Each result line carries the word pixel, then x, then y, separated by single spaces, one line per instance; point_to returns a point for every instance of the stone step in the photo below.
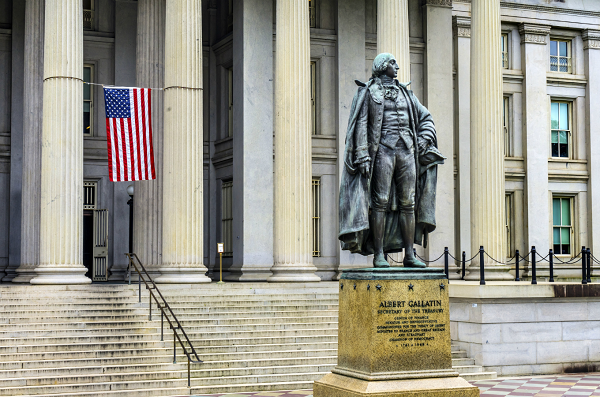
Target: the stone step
pixel 479 375
pixel 459 354
pixel 463 361
pixel 462 369
pixel 161 392
pixel 32 386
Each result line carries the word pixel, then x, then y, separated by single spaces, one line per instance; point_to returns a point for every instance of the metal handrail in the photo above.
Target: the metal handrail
pixel 163 314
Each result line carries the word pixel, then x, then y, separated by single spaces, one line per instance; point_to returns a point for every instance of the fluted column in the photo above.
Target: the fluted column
pixel 293 170
pixel 487 154
pixel 150 72
pixel 392 34
pixel 61 218
pixel 32 135
pixel 182 239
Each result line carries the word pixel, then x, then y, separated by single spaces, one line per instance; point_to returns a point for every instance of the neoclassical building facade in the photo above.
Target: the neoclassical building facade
pixel 249 119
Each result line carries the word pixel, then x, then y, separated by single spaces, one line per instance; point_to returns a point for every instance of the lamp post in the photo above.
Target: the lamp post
pixel 130 204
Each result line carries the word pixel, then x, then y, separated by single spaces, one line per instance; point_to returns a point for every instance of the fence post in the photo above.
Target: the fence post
pixel 139 288
pixel 551 260
pixel 162 315
pixel 174 347
pixel 481 270
pixel 150 306
pixel 533 258
pixel 589 265
pixel 446 263
pixel 464 260
pixel 583 265
pixel 517 266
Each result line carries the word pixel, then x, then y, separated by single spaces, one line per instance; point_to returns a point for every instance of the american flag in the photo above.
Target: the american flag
pixel 129 134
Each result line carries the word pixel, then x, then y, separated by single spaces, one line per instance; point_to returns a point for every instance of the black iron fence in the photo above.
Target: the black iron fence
pixel 533 258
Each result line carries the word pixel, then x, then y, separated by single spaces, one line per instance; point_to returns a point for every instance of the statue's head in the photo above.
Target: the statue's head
pixel 382 62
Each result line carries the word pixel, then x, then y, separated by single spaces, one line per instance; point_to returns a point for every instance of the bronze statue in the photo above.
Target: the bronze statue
pixel 387 192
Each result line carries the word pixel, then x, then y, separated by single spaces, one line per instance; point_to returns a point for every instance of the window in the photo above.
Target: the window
pixel 508 212
pixel 561 128
pixel 562 230
pixel 560 56
pixel 506 125
pixel 227 218
pixel 313 95
pixel 316 217
pixel 89 195
pixel 88 101
pixel 312 13
pixel 88 14
pixel 230 91
pixel 504 46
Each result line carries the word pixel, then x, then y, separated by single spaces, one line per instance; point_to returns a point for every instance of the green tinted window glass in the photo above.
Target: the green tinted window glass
pixel 563 137
pixel 565 235
pixel 86 107
pixel 556 235
pixel 564 116
pixel 87 74
pixel 554 113
pixel 554 136
pixel 566 212
pixel 562 48
pixel 86 91
pixel 556 211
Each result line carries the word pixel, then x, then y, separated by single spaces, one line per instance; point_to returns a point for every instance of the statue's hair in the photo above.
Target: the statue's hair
pixel 380 63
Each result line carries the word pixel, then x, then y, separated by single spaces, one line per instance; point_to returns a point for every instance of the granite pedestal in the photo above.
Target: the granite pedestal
pixel 394 337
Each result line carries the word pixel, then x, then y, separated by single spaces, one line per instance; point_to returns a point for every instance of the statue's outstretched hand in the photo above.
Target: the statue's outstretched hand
pixel 364 168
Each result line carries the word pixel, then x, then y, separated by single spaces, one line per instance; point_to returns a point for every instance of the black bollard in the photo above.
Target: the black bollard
pixel 533 275
pixel 583 265
pixel 464 263
pixel 551 260
pixel 589 265
pixel 517 266
pixel 481 263
pixel 446 263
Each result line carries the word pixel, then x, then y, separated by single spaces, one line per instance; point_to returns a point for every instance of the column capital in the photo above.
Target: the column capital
pixel 461 26
pixel 591 39
pixel 441 3
pixel 533 33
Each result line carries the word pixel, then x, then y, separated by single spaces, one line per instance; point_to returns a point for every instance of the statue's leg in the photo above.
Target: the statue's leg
pixel 381 182
pixel 405 176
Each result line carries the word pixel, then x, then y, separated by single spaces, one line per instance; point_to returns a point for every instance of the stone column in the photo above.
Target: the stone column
pixel 591 45
pixel 293 171
pixel 462 95
pixel 183 238
pixel 148 195
pixel 252 123
pixel 438 97
pixel 351 66
pixel 32 140
pixel 536 133
pixel 61 220
pixel 392 33
pixel 487 139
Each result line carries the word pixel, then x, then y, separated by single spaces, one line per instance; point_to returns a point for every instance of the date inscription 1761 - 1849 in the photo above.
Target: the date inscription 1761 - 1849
pixel 387 192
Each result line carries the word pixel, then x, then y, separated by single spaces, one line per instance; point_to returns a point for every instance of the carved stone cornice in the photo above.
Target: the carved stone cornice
pixel 443 3
pixel 461 26
pixel 534 34
pixel 591 39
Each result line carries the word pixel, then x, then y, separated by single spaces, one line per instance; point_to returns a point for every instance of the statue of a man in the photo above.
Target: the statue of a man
pixel 387 192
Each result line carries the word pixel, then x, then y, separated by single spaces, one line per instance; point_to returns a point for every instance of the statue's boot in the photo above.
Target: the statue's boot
pixel 407 227
pixel 378 225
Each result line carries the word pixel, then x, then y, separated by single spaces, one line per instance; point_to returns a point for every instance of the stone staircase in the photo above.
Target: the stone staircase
pixel 97 339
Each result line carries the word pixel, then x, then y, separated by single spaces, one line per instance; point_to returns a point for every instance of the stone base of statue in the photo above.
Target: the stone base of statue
pixel 394 337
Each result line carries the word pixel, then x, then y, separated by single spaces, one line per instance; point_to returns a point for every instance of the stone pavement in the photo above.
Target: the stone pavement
pixel 566 385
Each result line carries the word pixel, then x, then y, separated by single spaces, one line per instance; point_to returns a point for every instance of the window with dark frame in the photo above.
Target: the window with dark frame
pixel 88 14
pixel 227 217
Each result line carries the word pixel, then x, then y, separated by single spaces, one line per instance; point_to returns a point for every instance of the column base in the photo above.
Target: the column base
pixel 24 276
pixel 9 274
pixel 181 275
pixel 292 274
pixel 60 275
pixel 492 273
pixel 335 385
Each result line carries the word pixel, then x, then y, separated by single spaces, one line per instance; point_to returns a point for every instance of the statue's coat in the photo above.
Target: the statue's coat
pixel 355 192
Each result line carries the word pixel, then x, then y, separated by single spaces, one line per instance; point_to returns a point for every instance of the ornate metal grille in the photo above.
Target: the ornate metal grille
pixel 227 217
pixel 316 217
pixel 88 14
pixel 89 195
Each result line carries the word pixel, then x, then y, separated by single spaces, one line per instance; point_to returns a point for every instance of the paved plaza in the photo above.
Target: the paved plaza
pixel 571 385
